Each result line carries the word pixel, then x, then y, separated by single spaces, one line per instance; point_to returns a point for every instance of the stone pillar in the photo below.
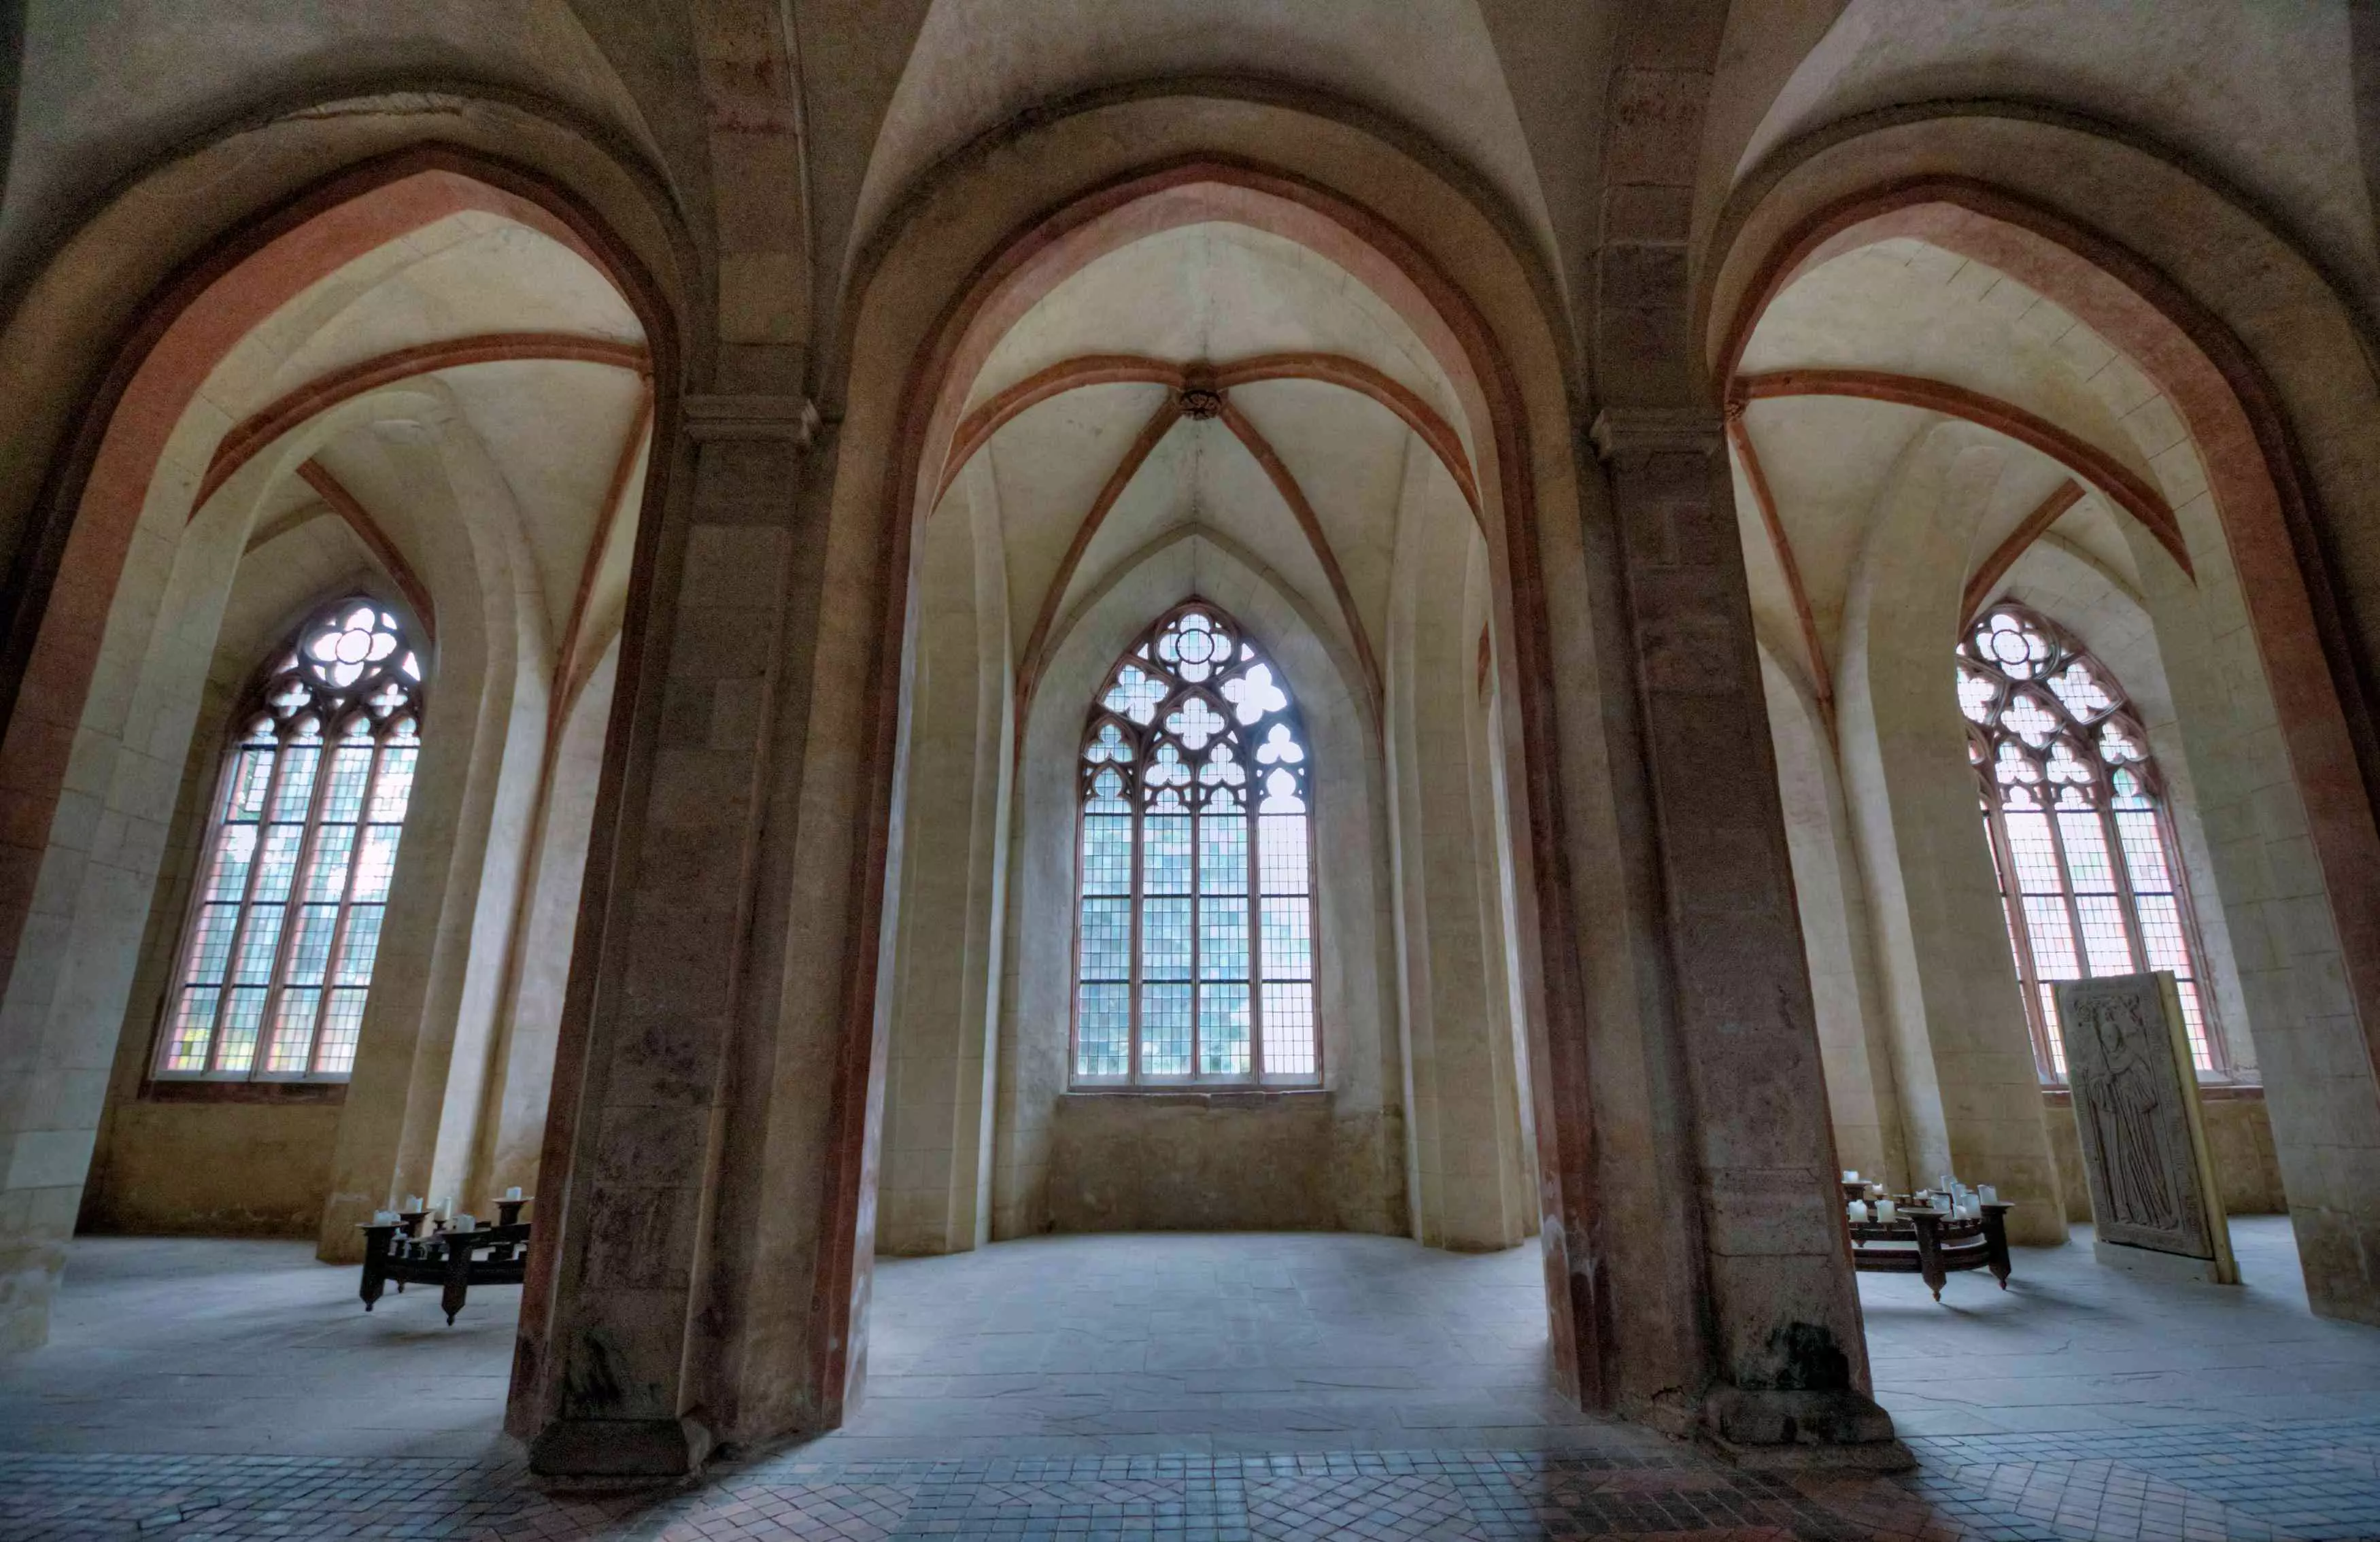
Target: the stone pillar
pixel 603 1381
pixel 1789 1377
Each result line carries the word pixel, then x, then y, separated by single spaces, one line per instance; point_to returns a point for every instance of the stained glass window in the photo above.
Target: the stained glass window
pixel 2082 840
pixel 1194 942
pixel 276 959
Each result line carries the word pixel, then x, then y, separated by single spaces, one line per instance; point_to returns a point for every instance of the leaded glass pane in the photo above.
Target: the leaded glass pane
pixel 395 789
pixel 193 1030
pixel 362 945
pixel 334 1048
pixel 1223 1028
pixel 1223 938
pixel 1288 940
pixel 376 864
pixel 243 1019
pixel 1289 1030
pixel 1224 855
pixel 343 800
pixel 293 1033
pixel 1165 1030
pixel 1107 854
pixel 278 868
pixel 309 950
pixel 258 945
pixel 1107 940
pixel 1165 853
pixel 1103 1030
pixel 1280 853
pixel 1165 939
pixel 227 874
pixel 210 941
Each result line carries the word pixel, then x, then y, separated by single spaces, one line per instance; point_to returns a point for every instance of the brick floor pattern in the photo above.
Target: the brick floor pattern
pixel 2307 1481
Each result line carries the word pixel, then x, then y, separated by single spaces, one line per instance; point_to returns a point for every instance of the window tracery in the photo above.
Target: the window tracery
pixel 1194 945
pixel 276 957
pixel 2090 877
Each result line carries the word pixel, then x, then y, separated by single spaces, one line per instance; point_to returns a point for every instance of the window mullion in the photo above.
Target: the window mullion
pixel 1132 965
pixel 2029 980
pixel 347 903
pixel 209 853
pixel 1255 933
pixel 246 910
pixel 1197 925
pixel 2066 889
pixel 2120 862
pixel 293 916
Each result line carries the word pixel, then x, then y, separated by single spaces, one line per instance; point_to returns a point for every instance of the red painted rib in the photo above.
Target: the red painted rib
pixel 316 397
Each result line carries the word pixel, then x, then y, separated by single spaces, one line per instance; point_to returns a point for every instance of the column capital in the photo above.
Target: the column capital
pixel 1631 431
pixel 793 418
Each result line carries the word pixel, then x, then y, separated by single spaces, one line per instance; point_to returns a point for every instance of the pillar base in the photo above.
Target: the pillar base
pixel 620 1448
pixel 1765 1429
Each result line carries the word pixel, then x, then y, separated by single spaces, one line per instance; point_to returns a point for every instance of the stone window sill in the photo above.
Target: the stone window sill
pixel 162 1090
pixel 2058 1096
pixel 1206 1096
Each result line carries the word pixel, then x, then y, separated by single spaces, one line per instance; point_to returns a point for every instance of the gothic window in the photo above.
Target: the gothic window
pixel 1193 737
pixel 2090 877
pixel 284 921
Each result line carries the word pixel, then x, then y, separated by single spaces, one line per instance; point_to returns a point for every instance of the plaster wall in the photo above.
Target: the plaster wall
pixel 1469 1179
pixel 509 1128
pixel 1963 1055
pixel 935 1175
pixel 1219 1161
pixel 1855 1050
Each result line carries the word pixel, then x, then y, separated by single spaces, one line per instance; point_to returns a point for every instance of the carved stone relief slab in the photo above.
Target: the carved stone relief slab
pixel 2136 1105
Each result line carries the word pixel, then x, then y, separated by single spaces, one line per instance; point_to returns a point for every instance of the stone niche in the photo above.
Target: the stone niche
pixel 1222 1162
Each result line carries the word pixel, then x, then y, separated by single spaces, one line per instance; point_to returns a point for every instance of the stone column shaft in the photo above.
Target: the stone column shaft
pixel 602 1380
pixel 1790 1357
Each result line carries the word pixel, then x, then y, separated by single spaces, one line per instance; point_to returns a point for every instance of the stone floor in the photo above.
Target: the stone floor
pixel 1196 1388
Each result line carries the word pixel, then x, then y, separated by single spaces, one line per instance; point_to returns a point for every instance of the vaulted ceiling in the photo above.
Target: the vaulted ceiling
pixel 1218 377
pixel 1862 356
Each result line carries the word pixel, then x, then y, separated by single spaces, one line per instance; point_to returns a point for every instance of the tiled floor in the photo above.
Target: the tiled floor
pixel 1196 1387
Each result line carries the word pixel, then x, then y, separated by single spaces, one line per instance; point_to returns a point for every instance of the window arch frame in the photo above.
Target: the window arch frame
pixel 375 702
pixel 2093 776
pixel 1146 739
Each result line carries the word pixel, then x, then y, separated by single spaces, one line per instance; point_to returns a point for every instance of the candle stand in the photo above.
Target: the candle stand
pixel 450 1257
pixel 1928 1240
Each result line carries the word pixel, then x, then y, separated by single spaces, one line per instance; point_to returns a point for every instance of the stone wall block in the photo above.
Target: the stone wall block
pixel 740 482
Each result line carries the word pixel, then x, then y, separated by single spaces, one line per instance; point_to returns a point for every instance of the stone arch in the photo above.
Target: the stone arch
pixel 120 580
pixel 2195 294
pixel 933 280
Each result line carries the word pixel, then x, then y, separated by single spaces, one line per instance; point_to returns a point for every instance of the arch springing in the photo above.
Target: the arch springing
pixel 2090 875
pixel 1193 737
pixel 284 921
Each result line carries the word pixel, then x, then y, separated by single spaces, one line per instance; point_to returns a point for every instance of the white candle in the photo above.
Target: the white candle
pixel 1859 1210
pixel 1850 1177
pixel 413 1201
pixel 1886 1210
pixel 1987 1195
pixel 513 1193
